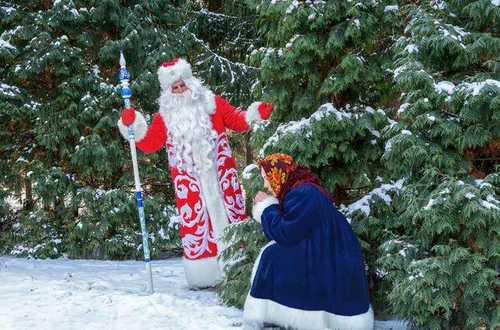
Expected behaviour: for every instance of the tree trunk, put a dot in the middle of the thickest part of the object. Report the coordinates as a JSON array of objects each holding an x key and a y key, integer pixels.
[
  {"x": 215, "y": 5},
  {"x": 248, "y": 150},
  {"x": 28, "y": 202}
]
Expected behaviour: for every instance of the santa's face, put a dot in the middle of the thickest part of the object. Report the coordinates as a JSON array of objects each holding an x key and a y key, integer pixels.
[{"x": 179, "y": 87}]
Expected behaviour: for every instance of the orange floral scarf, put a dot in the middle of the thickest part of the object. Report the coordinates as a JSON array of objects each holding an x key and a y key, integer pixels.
[
  {"x": 284, "y": 175},
  {"x": 278, "y": 168}
]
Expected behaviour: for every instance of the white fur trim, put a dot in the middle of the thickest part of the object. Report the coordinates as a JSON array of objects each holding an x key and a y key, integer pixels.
[
  {"x": 259, "y": 207},
  {"x": 253, "y": 114},
  {"x": 168, "y": 75},
  {"x": 140, "y": 127},
  {"x": 264, "y": 310},
  {"x": 202, "y": 273},
  {"x": 257, "y": 261},
  {"x": 214, "y": 200},
  {"x": 211, "y": 106}
]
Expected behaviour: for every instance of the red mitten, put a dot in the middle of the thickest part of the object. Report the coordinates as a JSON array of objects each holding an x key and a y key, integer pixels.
[
  {"x": 265, "y": 110},
  {"x": 128, "y": 116}
]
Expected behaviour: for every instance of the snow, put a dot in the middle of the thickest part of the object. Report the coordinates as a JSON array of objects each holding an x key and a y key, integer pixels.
[
  {"x": 438, "y": 4},
  {"x": 101, "y": 192},
  {"x": 87, "y": 98},
  {"x": 294, "y": 5},
  {"x": 374, "y": 132},
  {"x": 411, "y": 49},
  {"x": 452, "y": 31},
  {"x": 444, "y": 191},
  {"x": 14, "y": 203},
  {"x": 473, "y": 88},
  {"x": 391, "y": 8},
  {"x": 389, "y": 144},
  {"x": 289, "y": 44},
  {"x": 247, "y": 172},
  {"x": 481, "y": 184},
  {"x": 21, "y": 249},
  {"x": 469, "y": 195},
  {"x": 476, "y": 87},
  {"x": 89, "y": 294},
  {"x": 406, "y": 132},
  {"x": 495, "y": 2},
  {"x": 491, "y": 203},
  {"x": 403, "y": 107},
  {"x": 9, "y": 90},
  {"x": 444, "y": 86},
  {"x": 8, "y": 10},
  {"x": 163, "y": 234},
  {"x": 303, "y": 126},
  {"x": 430, "y": 204},
  {"x": 381, "y": 192},
  {"x": 174, "y": 220},
  {"x": 6, "y": 44}
]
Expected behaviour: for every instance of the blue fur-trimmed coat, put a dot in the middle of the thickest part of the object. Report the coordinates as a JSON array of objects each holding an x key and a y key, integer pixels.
[{"x": 312, "y": 273}]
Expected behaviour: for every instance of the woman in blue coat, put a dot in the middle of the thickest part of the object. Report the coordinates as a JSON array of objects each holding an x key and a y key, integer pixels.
[{"x": 311, "y": 275}]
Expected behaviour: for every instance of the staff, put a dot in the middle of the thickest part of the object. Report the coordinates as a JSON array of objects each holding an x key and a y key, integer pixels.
[{"x": 126, "y": 95}]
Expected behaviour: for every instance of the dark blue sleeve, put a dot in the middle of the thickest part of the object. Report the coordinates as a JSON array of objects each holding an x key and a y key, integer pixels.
[{"x": 300, "y": 214}]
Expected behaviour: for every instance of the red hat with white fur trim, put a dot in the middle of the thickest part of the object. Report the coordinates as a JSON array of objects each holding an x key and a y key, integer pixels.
[{"x": 170, "y": 72}]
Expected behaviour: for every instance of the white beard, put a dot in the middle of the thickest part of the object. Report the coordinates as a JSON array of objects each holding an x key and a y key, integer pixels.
[{"x": 187, "y": 117}]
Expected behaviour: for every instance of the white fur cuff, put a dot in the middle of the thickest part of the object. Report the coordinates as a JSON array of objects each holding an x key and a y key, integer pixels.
[
  {"x": 253, "y": 114},
  {"x": 259, "y": 207},
  {"x": 140, "y": 127}
]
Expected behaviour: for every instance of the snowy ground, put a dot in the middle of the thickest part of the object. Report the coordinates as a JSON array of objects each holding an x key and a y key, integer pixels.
[{"x": 88, "y": 294}]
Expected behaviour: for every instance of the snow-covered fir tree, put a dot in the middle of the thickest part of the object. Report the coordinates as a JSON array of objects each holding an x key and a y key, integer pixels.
[
  {"x": 63, "y": 153},
  {"x": 442, "y": 261},
  {"x": 406, "y": 137},
  {"x": 62, "y": 156}
]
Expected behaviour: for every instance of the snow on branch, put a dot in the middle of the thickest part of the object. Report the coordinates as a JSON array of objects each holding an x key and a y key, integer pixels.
[
  {"x": 9, "y": 90},
  {"x": 206, "y": 12},
  {"x": 8, "y": 10},
  {"x": 381, "y": 193},
  {"x": 223, "y": 61},
  {"x": 6, "y": 44},
  {"x": 303, "y": 126},
  {"x": 247, "y": 171},
  {"x": 472, "y": 88}
]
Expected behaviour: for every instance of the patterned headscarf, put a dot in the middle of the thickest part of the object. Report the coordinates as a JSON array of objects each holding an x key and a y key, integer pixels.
[
  {"x": 278, "y": 168},
  {"x": 284, "y": 175}
]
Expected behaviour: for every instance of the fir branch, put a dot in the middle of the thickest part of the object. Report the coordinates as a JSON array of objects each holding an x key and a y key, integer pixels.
[{"x": 221, "y": 59}]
